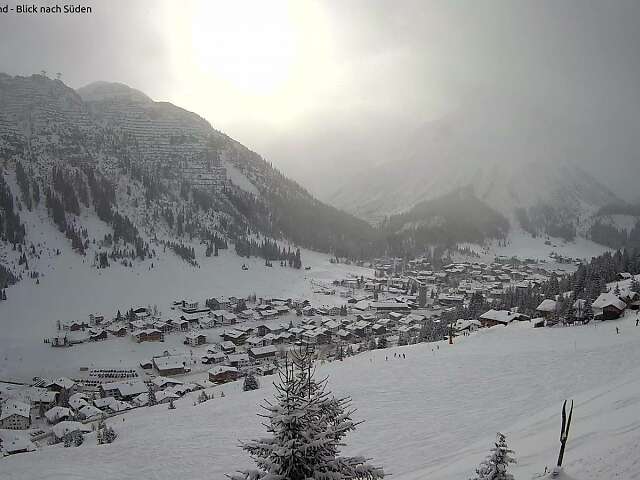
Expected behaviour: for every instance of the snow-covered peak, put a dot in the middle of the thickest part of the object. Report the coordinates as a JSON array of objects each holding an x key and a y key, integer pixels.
[{"x": 98, "y": 91}]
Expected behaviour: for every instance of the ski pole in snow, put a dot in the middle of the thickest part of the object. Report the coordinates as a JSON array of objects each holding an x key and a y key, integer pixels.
[{"x": 564, "y": 432}]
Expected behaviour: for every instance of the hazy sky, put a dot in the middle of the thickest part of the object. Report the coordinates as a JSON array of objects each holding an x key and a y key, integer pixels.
[{"x": 324, "y": 88}]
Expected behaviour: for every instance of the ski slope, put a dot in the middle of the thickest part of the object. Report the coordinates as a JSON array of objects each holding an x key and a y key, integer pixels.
[{"x": 431, "y": 415}]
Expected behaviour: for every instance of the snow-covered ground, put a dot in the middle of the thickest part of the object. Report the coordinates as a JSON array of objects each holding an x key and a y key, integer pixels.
[
  {"x": 71, "y": 290},
  {"x": 522, "y": 245},
  {"x": 432, "y": 415}
]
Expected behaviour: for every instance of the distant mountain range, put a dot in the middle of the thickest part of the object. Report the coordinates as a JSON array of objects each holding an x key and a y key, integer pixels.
[{"x": 525, "y": 173}]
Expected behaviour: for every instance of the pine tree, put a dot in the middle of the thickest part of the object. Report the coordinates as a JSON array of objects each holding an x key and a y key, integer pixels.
[
  {"x": 306, "y": 424},
  {"x": 250, "y": 383},
  {"x": 152, "y": 396},
  {"x": 496, "y": 465},
  {"x": 382, "y": 342}
]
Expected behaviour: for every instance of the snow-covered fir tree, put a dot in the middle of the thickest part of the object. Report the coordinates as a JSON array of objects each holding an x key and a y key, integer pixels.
[
  {"x": 152, "y": 396},
  {"x": 250, "y": 383},
  {"x": 496, "y": 466},
  {"x": 306, "y": 426}
]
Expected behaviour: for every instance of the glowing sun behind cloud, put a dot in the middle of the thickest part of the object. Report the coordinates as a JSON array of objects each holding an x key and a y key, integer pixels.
[{"x": 274, "y": 59}]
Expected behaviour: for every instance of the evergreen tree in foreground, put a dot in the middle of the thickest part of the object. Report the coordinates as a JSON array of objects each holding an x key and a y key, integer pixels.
[
  {"x": 306, "y": 426},
  {"x": 496, "y": 465}
]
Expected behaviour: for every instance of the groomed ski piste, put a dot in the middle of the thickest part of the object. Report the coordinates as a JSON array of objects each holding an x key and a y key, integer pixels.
[{"x": 431, "y": 411}]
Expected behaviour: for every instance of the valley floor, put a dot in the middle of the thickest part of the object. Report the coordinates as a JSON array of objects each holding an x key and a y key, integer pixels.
[
  {"x": 431, "y": 415},
  {"x": 71, "y": 289}
]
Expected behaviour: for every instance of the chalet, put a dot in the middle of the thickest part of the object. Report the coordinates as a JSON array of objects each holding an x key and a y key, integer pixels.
[
  {"x": 88, "y": 412},
  {"x": 148, "y": 335},
  {"x": 57, "y": 414},
  {"x": 223, "y": 374},
  {"x": 164, "y": 396},
  {"x": 194, "y": 339},
  {"x": 378, "y": 329},
  {"x": 344, "y": 335},
  {"x": 608, "y": 306},
  {"x": 117, "y": 330},
  {"x": 285, "y": 337},
  {"x": 256, "y": 342},
  {"x": 77, "y": 401},
  {"x": 39, "y": 397},
  {"x": 170, "y": 364},
  {"x": 362, "y": 328},
  {"x": 179, "y": 324},
  {"x": 263, "y": 329},
  {"x": 75, "y": 326},
  {"x": 333, "y": 325},
  {"x": 547, "y": 308},
  {"x": 248, "y": 314},
  {"x": 208, "y": 322},
  {"x": 164, "y": 327},
  {"x": 146, "y": 364},
  {"x": 103, "y": 402},
  {"x": 15, "y": 415},
  {"x": 224, "y": 317},
  {"x": 122, "y": 390},
  {"x": 270, "y": 313},
  {"x": 96, "y": 334},
  {"x": 65, "y": 427},
  {"x": 260, "y": 354},
  {"x": 239, "y": 360},
  {"x": 60, "y": 384},
  {"x": 192, "y": 318},
  {"x": 219, "y": 303},
  {"x": 500, "y": 317},
  {"x": 164, "y": 382},
  {"x": 228, "y": 347},
  {"x": 333, "y": 311},
  {"x": 296, "y": 332},
  {"x": 624, "y": 276},
  {"x": 465, "y": 326},
  {"x": 308, "y": 310},
  {"x": 235, "y": 336},
  {"x": 214, "y": 358},
  {"x": 17, "y": 445}
]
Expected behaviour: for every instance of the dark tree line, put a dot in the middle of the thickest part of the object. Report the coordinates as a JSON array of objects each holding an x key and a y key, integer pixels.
[
  {"x": 12, "y": 229},
  {"x": 269, "y": 250}
]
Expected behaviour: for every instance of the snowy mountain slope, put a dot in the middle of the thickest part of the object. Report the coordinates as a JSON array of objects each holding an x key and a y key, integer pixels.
[
  {"x": 509, "y": 164},
  {"x": 148, "y": 174},
  {"x": 432, "y": 415}
]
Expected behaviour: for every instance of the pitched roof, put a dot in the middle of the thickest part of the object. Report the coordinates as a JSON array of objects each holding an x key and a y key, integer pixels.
[
  {"x": 608, "y": 300},
  {"x": 15, "y": 407}
]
